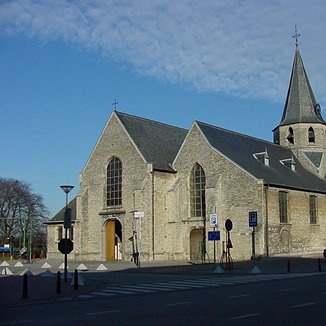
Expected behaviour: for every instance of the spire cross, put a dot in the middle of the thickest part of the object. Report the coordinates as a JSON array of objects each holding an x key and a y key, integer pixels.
[
  {"x": 115, "y": 103},
  {"x": 296, "y": 35}
]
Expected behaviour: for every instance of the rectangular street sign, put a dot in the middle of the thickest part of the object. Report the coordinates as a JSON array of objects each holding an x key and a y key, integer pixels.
[
  {"x": 213, "y": 235},
  {"x": 139, "y": 214},
  {"x": 253, "y": 219}
]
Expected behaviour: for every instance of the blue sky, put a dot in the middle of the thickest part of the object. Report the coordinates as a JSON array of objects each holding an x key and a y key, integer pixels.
[{"x": 62, "y": 63}]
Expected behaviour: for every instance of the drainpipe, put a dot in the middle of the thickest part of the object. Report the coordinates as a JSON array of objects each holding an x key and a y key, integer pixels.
[
  {"x": 266, "y": 221},
  {"x": 153, "y": 214}
]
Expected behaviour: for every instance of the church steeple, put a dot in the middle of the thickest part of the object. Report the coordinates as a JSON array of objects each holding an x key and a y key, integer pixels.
[
  {"x": 300, "y": 105},
  {"x": 302, "y": 128}
]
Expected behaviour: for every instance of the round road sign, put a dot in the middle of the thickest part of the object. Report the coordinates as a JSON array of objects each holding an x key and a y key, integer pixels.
[
  {"x": 65, "y": 246},
  {"x": 228, "y": 225}
]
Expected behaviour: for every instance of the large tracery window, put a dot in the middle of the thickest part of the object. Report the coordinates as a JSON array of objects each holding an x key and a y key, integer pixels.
[
  {"x": 114, "y": 183},
  {"x": 197, "y": 192}
]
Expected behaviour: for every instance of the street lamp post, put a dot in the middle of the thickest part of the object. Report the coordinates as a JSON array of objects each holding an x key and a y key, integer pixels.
[{"x": 66, "y": 189}]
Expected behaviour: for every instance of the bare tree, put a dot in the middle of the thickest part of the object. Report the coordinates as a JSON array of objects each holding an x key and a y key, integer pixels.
[{"x": 22, "y": 213}]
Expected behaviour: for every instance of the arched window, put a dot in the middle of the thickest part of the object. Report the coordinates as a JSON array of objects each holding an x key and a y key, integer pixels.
[
  {"x": 197, "y": 192},
  {"x": 114, "y": 183},
  {"x": 311, "y": 135},
  {"x": 290, "y": 137}
]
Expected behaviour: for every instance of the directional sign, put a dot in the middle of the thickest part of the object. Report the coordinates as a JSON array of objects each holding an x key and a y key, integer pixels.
[
  {"x": 65, "y": 246},
  {"x": 213, "y": 220},
  {"x": 253, "y": 219},
  {"x": 139, "y": 214},
  {"x": 213, "y": 235}
]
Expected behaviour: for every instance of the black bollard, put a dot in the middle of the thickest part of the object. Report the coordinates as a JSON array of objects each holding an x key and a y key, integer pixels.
[
  {"x": 76, "y": 280},
  {"x": 58, "y": 282},
  {"x": 289, "y": 266},
  {"x": 25, "y": 290}
]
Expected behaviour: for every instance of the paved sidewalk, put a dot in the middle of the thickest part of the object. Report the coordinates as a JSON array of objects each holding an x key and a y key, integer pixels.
[{"x": 44, "y": 288}]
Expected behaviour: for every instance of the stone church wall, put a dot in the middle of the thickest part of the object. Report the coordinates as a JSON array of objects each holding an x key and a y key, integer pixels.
[
  {"x": 298, "y": 235},
  {"x": 164, "y": 233},
  {"x": 136, "y": 190},
  {"x": 230, "y": 192}
]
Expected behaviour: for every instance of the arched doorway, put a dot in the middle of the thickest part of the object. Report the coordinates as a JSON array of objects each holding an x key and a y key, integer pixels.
[
  {"x": 196, "y": 244},
  {"x": 113, "y": 240}
]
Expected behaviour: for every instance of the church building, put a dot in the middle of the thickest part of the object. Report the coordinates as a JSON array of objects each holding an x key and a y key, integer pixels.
[{"x": 153, "y": 191}]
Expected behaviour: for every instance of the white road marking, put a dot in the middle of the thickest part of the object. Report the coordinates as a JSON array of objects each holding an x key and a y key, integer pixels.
[
  {"x": 137, "y": 288},
  {"x": 245, "y": 316},
  {"x": 173, "y": 286},
  {"x": 155, "y": 287},
  {"x": 287, "y": 290},
  {"x": 178, "y": 304},
  {"x": 112, "y": 290},
  {"x": 199, "y": 283},
  {"x": 239, "y": 296},
  {"x": 104, "y": 294},
  {"x": 102, "y": 312},
  {"x": 189, "y": 284},
  {"x": 303, "y": 305}
]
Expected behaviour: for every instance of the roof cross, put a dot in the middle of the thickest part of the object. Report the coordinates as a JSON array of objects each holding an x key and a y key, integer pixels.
[
  {"x": 296, "y": 35},
  {"x": 115, "y": 103}
]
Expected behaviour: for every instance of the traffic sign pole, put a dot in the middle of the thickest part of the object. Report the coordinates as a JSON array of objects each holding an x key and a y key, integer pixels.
[
  {"x": 66, "y": 255},
  {"x": 253, "y": 243},
  {"x": 66, "y": 224},
  {"x": 214, "y": 250},
  {"x": 253, "y": 220}
]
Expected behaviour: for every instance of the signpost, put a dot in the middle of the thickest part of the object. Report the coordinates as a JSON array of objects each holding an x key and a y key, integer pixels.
[
  {"x": 66, "y": 225},
  {"x": 253, "y": 221},
  {"x": 213, "y": 235},
  {"x": 228, "y": 245}
]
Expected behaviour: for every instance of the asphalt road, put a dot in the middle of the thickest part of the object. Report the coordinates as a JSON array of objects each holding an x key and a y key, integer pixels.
[{"x": 287, "y": 301}]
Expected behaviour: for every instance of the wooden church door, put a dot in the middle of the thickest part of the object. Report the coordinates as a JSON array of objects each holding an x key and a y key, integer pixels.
[
  {"x": 110, "y": 237},
  {"x": 196, "y": 241}
]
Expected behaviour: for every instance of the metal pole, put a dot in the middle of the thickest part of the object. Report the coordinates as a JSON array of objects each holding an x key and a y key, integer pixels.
[
  {"x": 66, "y": 235},
  {"x": 30, "y": 241},
  {"x": 214, "y": 248},
  {"x": 253, "y": 243}
]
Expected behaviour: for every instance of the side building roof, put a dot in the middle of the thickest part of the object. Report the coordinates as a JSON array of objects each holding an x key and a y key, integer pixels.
[
  {"x": 159, "y": 143},
  {"x": 240, "y": 149},
  {"x": 59, "y": 217}
]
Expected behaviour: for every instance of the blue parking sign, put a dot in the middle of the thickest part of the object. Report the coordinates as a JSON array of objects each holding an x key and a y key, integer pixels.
[{"x": 253, "y": 219}]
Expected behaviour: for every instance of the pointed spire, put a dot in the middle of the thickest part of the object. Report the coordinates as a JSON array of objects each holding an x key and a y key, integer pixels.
[{"x": 300, "y": 105}]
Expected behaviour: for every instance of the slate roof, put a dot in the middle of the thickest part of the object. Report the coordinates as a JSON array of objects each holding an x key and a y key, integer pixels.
[
  {"x": 314, "y": 157},
  {"x": 240, "y": 149},
  {"x": 300, "y": 104},
  {"x": 159, "y": 143},
  {"x": 59, "y": 217}
]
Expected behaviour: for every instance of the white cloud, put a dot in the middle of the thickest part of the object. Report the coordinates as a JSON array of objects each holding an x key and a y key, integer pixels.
[{"x": 242, "y": 48}]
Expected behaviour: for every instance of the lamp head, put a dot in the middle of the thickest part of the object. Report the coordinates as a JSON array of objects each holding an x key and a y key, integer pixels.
[{"x": 67, "y": 188}]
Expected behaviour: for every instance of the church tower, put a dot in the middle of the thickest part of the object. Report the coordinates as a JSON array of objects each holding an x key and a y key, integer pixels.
[{"x": 302, "y": 128}]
